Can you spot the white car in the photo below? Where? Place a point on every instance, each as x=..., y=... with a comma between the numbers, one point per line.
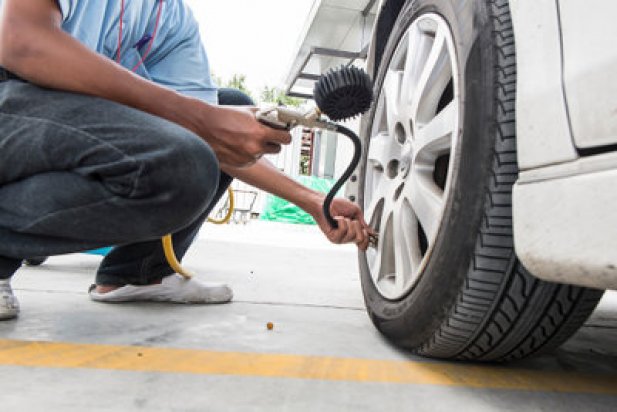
x=490, y=173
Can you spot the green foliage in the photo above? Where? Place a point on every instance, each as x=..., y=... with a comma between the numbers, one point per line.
x=237, y=81
x=216, y=79
x=280, y=210
x=268, y=94
x=278, y=96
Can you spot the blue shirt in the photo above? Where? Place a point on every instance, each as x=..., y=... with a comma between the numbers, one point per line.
x=177, y=59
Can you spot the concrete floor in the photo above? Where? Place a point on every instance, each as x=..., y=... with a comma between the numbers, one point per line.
x=151, y=356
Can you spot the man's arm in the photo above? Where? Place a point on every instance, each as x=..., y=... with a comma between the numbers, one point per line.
x=33, y=46
x=351, y=225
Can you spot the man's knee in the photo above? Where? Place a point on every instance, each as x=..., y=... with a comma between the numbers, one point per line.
x=189, y=170
x=234, y=97
x=188, y=178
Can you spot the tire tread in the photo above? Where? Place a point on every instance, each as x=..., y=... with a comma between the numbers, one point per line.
x=502, y=312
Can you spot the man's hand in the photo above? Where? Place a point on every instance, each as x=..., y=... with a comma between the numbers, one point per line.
x=351, y=224
x=235, y=135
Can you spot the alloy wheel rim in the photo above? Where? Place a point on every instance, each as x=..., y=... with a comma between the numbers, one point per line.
x=411, y=154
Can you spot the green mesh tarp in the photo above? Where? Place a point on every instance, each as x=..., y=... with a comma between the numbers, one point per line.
x=279, y=210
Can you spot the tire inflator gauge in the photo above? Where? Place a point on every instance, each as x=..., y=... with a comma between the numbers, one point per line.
x=340, y=94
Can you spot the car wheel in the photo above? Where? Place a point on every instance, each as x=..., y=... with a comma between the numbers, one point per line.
x=436, y=179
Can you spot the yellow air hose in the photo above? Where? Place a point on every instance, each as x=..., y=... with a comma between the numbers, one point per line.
x=168, y=247
x=230, y=210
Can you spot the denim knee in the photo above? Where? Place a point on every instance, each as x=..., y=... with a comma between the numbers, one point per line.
x=234, y=97
x=188, y=180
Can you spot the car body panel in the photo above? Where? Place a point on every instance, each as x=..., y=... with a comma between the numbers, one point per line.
x=540, y=88
x=565, y=222
x=590, y=69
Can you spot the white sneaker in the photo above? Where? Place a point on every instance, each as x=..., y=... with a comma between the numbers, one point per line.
x=9, y=305
x=174, y=288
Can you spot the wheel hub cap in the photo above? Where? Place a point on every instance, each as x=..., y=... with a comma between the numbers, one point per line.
x=406, y=159
x=415, y=127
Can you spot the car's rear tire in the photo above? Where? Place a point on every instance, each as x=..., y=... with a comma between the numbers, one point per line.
x=466, y=295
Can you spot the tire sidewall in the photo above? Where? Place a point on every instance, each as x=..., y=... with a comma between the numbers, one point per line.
x=426, y=305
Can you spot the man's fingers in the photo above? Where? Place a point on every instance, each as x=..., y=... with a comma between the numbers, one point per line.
x=235, y=159
x=278, y=136
x=347, y=231
x=359, y=216
x=364, y=223
x=339, y=233
x=272, y=148
x=352, y=232
x=370, y=231
x=358, y=231
x=354, y=212
x=363, y=245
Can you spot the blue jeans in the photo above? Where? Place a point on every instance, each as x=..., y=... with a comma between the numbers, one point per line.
x=79, y=173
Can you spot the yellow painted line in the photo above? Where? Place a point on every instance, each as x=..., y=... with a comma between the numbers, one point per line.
x=191, y=361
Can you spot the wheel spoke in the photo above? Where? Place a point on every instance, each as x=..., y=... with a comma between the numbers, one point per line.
x=426, y=200
x=418, y=50
x=380, y=192
x=379, y=188
x=374, y=258
x=383, y=148
x=400, y=57
x=382, y=265
x=406, y=246
x=412, y=149
x=392, y=97
x=433, y=80
x=380, y=122
x=435, y=138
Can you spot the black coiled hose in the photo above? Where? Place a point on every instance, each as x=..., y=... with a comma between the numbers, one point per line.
x=342, y=94
x=357, y=152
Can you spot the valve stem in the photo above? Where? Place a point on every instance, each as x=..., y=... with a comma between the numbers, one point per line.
x=373, y=240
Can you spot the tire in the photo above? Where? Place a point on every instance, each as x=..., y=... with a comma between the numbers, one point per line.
x=469, y=298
